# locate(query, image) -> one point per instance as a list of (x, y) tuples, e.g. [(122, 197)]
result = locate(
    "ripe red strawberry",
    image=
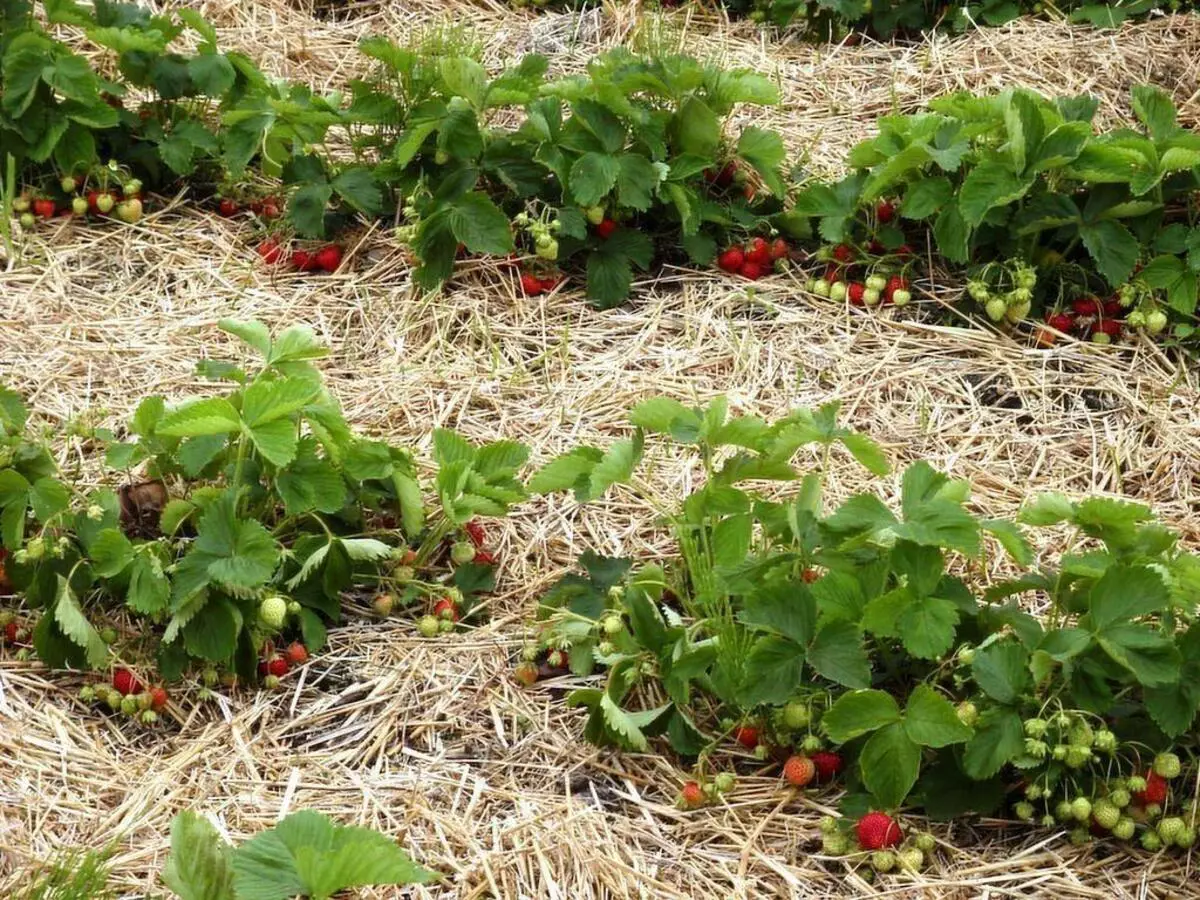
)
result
[(904, 250), (475, 532), (606, 228), (531, 284), (303, 260), (1155, 792), (296, 653), (828, 764), (270, 251), (843, 253), (885, 211), (691, 795), (12, 631), (446, 609), (91, 200), (855, 292), (779, 249), (125, 683), (550, 283), (798, 771), (43, 208), (270, 209), (833, 273), (877, 831), (758, 251), (747, 736), (328, 258), (262, 668), (808, 576), (1111, 327), (278, 667), (1086, 306), (1062, 322), (158, 698), (484, 558), (526, 673), (731, 260), (876, 249), (227, 207), (1113, 309), (751, 270)]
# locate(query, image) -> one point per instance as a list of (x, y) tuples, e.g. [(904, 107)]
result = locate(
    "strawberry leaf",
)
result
[(198, 867), (890, 763)]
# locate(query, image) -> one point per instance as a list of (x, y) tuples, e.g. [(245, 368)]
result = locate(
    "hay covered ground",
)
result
[(429, 740)]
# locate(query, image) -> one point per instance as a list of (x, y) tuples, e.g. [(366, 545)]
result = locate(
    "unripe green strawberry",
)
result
[(876, 283), (925, 843), (383, 604), (440, 158), (547, 249), (613, 624), (113, 700), (428, 626), (1151, 841), (35, 549), (1156, 321), (837, 291), (21, 204), (968, 713), (1167, 765), (403, 574), (87, 694), (68, 184), (1170, 828), (462, 553), (129, 211), (79, 206), (144, 700), (129, 705), (828, 825), (209, 676), (1136, 784), (996, 308), (978, 290), (1152, 810), (811, 744), (724, 782), (1081, 735), (271, 682), (1186, 838), (821, 288), (595, 214), (966, 655), (1081, 809), (27, 220), (204, 695), (1048, 821), (148, 717), (272, 612), (1079, 837), (834, 844), (1034, 792), (294, 608), (883, 860), (871, 297), (1024, 811), (108, 635), (1078, 757), (910, 860), (796, 715), (445, 626), (901, 297), (1059, 751), (1106, 814), (1124, 829), (1120, 798), (1105, 741)]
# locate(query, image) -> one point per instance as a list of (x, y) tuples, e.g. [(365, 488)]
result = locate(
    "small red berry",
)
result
[(1086, 306), (877, 831), (1113, 308), (446, 609), (328, 258), (296, 653), (798, 771), (1111, 327), (828, 764), (843, 253), (270, 251), (278, 667), (484, 558), (751, 270), (885, 211), (692, 796), (606, 228), (833, 273), (855, 291), (227, 207), (303, 260), (1155, 793), (531, 284), (731, 260), (43, 208), (551, 282), (475, 532), (780, 249), (747, 736), (12, 631), (1061, 322), (124, 682), (158, 698), (759, 252), (904, 250)]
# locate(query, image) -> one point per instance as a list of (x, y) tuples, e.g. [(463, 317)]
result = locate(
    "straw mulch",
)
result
[(429, 740)]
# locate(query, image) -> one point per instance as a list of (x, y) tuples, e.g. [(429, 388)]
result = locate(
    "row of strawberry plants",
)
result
[(836, 19), (857, 643), (231, 528), (631, 164)]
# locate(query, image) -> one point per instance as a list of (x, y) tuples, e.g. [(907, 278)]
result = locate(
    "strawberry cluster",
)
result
[(755, 259)]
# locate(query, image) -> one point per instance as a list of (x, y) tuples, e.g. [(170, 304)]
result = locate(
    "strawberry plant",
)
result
[(241, 519), (843, 637), (1040, 210), (305, 854)]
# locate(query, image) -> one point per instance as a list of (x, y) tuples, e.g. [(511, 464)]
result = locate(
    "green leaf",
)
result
[(764, 150), (564, 472), (999, 738), (696, 129), (926, 627), (74, 625), (1046, 509), (252, 332), (926, 196), (110, 553), (359, 188), (989, 184), (592, 176), (275, 441), (215, 415), (857, 712), (774, 669), (931, 720), (1150, 656), (307, 854), (212, 73), (619, 722), (481, 225), (1001, 670), (198, 867), (1154, 109), (149, 590), (213, 633), (780, 608), (1113, 248), (449, 447), (890, 763), (464, 77), (306, 208), (952, 234), (616, 466), (837, 653), (866, 452), (637, 181), (1126, 592), (47, 498), (664, 416), (1010, 538)]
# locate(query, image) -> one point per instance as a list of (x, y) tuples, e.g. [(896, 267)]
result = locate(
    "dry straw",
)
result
[(430, 740)]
